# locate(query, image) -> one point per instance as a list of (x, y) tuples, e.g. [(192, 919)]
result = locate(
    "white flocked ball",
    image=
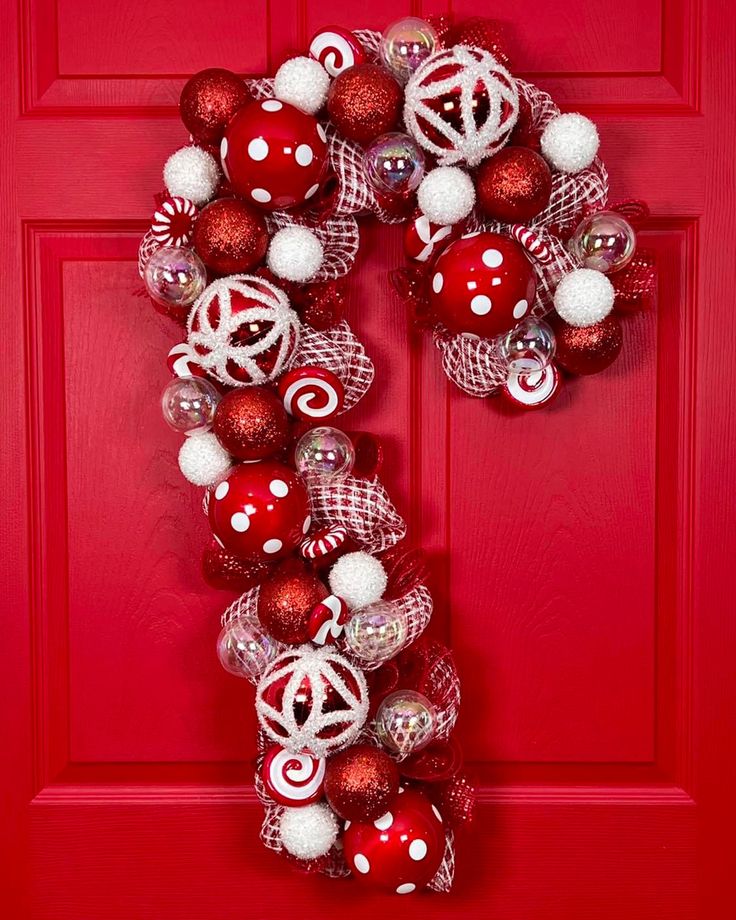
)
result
[(446, 195), (308, 832), (295, 254), (584, 297), (202, 460), (359, 579), (302, 82), (570, 142), (192, 173)]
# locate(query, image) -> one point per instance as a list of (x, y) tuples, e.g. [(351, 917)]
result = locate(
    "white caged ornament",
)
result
[(461, 105), (312, 700), (243, 330)]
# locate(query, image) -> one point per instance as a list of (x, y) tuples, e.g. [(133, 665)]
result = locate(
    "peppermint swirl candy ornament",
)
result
[(323, 542), (292, 779), (532, 242), (182, 362), (311, 392), (532, 391), (336, 49), (173, 223)]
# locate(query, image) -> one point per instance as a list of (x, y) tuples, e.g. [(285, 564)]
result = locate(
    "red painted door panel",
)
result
[(582, 555)]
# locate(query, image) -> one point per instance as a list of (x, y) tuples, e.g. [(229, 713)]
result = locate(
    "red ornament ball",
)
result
[(402, 850), (424, 241), (209, 100), (480, 32), (322, 305), (514, 185), (224, 571), (251, 423), (285, 602), (483, 284), (260, 511), (364, 101), (230, 236), (361, 783), (588, 349), (274, 155)]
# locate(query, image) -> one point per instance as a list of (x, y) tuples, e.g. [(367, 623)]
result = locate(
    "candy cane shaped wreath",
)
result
[(504, 202)]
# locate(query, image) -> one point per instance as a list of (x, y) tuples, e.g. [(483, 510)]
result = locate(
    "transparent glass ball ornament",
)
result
[(175, 276), (394, 164), (528, 347), (245, 650), (324, 453), (376, 632), (406, 44), (605, 241), (188, 404), (406, 721)]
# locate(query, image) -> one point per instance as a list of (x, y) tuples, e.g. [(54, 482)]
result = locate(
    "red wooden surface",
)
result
[(582, 554)]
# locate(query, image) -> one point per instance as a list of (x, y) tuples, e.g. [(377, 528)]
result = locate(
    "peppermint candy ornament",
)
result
[(424, 240), (532, 391), (311, 392), (461, 105), (323, 542), (243, 330), (336, 49), (327, 620), (182, 361), (292, 779), (532, 242), (173, 223)]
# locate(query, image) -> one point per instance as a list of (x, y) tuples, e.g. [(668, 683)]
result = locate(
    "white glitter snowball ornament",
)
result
[(192, 173), (295, 254), (358, 578), (584, 297), (243, 330), (570, 142), (461, 105), (308, 832), (302, 82), (202, 460), (446, 195)]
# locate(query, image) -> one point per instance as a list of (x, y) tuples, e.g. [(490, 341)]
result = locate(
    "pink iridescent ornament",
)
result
[(406, 44), (174, 277), (394, 164), (406, 722), (605, 241)]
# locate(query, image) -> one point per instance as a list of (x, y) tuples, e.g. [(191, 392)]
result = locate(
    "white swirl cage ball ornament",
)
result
[(243, 330), (461, 105), (312, 700)]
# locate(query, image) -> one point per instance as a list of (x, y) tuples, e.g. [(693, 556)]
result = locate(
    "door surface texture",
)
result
[(581, 557)]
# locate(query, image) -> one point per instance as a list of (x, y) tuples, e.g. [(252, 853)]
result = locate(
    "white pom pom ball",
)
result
[(446, 195), (202, 460), (308, 832), (570, 142), (358, 578), (584, 297), (192, 173), (295, 254), (302, 82)]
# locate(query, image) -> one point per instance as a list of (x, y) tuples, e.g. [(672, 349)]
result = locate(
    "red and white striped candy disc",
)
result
[(532, 391), (173, 223), (292, 779), (323, 542), (336, 49), (423, 240), (532, 242), (327, 620), (311, 392), (182, 362)]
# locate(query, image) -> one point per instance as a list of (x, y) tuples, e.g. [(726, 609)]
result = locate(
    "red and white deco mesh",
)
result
[(337, 350)]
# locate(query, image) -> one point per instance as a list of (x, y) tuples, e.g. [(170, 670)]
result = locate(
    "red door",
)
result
[(583, 555)]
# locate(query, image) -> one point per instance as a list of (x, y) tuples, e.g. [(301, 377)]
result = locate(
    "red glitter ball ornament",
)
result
[(230, 236), (514, 185), (285, 603), (587, 349), (223, 570), (480, 32), (361, 783), (209, 100), (364, 101), (251, 423), (322, 305)]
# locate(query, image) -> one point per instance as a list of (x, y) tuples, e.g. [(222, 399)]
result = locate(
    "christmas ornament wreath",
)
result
[(506, 218)]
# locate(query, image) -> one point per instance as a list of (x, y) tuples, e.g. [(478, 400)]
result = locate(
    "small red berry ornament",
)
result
[(400, 851), (209, 100), (364, 101), (251, 423), (260, 512), (274, 155), (482, 283), (361, 783), (285, 603), (230, 236), (514, 185)]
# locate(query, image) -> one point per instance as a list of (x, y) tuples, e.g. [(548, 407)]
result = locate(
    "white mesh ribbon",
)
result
[(442, 882), (362, 507), (339, 351), (472, 363)]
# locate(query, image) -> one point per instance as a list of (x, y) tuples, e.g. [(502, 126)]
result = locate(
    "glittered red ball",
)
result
[(322, 305), (361, 783), (285, 602), (209, 100), (588, 349), (223, 570), (364, 101), (514, 185), (480, 32), (251, 423), (230, 236)]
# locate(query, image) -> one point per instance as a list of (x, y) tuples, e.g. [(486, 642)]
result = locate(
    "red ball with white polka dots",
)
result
[(482, 283), (400, 851), (260, 512), (274, 155)]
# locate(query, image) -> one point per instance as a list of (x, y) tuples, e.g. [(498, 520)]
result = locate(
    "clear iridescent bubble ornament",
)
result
[(394, 164), (376, 632), (175, 276), (406, 44), (528, 347), (245, 650), (188, 404), (324, 453), (605, 241), (405, 722)]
